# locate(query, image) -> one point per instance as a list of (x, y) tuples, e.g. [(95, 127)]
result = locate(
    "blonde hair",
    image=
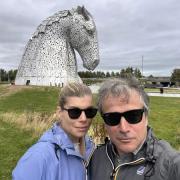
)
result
[(73, 89)]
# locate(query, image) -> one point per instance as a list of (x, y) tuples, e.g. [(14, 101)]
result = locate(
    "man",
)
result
[(133, 152)]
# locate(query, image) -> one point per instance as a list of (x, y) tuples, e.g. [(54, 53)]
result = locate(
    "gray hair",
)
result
[(71, 90), (121, 88)]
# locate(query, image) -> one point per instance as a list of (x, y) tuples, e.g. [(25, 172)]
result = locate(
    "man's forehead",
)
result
[(123, 98)]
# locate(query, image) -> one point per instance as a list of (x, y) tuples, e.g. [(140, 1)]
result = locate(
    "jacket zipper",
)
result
[(138, 161), (113, 172), (85, 163), (116, 170)]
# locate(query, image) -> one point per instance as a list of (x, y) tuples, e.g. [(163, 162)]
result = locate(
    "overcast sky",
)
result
[(127, 30)]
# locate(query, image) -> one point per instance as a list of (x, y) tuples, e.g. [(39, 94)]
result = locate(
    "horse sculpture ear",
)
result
[(88, 21), (82, 10), (85, 13), (79, 10)]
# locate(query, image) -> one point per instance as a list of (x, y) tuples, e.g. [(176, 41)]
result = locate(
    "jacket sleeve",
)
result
[(175, 168), (30, 167)]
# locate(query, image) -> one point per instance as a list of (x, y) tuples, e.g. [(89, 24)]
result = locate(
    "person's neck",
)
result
[(80, 142), (74, 139)]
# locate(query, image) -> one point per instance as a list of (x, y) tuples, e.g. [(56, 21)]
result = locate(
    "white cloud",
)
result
[(126, 30)]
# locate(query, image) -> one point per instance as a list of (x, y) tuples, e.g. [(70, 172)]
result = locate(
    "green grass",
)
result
[(164, 118), (13, 143), (3, 89), (43, 99)]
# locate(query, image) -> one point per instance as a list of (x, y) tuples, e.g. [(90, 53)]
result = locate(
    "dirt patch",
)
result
[(7, 89)]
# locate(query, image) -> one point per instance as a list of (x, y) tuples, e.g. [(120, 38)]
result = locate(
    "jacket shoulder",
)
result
[(168, 160), (38, 158)]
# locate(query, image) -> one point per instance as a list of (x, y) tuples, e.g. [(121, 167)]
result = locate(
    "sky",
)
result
[(143, 34)]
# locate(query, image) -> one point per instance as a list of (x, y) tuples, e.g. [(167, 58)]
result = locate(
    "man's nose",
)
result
[(124, 125)]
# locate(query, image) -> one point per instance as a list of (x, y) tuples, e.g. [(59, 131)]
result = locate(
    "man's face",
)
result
[(75, 128), (125, 136)]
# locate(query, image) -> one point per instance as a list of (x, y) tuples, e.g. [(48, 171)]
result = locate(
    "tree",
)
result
[(137, 73), (117, 74), (175, 76), (12, 75), (4, 76), (151, 76), (107, 74), (112, 74), (7, 75), (129, 71), (123, 73)]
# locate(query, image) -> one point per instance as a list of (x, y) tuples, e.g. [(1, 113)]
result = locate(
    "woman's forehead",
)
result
[(78, 101)]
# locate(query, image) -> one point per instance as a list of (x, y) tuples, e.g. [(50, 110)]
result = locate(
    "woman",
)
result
[(63, 152)]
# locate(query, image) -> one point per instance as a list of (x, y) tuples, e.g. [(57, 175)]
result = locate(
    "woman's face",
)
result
[(78, 127)]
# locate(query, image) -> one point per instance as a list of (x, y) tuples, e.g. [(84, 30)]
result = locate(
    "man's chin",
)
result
[(126, 149)]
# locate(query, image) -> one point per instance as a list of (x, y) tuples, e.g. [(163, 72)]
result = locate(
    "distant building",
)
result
[(157, 82)]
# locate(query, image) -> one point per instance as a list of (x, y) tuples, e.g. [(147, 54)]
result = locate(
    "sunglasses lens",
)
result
[(112, 119), (74, 113), (90, 112), (134, 116)]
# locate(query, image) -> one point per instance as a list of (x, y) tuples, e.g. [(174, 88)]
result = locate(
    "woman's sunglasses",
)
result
[(75, 113), (132, 117)]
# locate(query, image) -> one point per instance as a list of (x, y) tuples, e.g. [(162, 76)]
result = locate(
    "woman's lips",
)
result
[(82, 128)]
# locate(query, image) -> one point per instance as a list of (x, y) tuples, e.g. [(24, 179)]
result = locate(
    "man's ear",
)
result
[(146, 121)]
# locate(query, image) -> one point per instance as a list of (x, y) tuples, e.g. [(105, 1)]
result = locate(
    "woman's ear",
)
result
[(58, 112)]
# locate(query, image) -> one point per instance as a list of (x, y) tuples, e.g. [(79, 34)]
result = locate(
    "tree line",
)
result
[(7, 75), (100, 74), (11, 74), (129, 71)]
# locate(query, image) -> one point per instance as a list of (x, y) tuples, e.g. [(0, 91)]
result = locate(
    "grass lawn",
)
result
[(164, 118), (40, 99), (13, 143)]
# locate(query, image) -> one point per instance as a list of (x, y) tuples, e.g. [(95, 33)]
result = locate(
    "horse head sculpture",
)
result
[(49, 57)]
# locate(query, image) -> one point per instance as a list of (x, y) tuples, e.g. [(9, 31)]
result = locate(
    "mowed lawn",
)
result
[(13, 140), (32, 99), (164, 117), (13, 143)]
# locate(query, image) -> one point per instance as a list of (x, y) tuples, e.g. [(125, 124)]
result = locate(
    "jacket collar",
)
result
[(147, 149), (60, 138)]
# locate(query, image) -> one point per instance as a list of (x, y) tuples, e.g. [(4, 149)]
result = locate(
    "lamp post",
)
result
[(142, 65), (0, 75)]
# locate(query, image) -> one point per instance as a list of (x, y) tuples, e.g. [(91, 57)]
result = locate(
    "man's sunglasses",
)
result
[(75, 113), (132, 117)]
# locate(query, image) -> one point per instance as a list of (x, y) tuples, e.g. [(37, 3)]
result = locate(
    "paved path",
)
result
[(94, 89), (164, 94)]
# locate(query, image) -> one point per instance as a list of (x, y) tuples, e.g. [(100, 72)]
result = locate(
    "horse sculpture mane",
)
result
[(49, 57)]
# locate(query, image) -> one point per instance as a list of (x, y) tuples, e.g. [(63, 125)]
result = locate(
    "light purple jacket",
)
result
[(53, 157)]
